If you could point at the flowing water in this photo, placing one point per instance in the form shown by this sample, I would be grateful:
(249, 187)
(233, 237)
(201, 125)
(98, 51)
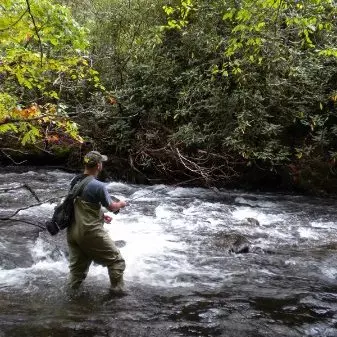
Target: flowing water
(181, 277)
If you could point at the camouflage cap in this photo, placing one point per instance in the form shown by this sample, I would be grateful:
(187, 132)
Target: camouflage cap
(92, 158)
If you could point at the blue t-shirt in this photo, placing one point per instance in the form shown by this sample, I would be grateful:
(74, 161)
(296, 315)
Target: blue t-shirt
(95, 191)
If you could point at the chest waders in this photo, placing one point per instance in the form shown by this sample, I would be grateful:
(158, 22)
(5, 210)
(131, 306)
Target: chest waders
(88, 241)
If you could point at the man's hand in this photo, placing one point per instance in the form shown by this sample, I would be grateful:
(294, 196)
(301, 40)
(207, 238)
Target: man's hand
(107, 218)
(122, 204)
(117, 205)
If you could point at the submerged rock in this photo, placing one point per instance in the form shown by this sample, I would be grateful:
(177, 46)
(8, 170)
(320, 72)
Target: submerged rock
(233, 242)
(251, 222)
(120, 243)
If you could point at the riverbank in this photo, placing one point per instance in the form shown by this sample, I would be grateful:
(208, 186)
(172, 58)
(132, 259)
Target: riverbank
(252, 180)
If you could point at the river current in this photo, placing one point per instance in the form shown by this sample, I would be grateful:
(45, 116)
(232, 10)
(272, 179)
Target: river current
(182, 279)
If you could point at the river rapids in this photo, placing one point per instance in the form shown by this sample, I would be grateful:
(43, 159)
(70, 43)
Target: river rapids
(181, 276)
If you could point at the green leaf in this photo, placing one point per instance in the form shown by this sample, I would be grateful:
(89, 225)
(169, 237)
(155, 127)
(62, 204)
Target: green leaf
(8, 127)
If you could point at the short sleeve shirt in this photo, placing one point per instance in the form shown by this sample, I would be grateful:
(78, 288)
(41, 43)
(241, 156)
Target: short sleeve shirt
(95, 191)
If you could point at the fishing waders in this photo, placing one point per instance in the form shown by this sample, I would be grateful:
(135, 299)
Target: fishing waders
(88, 241)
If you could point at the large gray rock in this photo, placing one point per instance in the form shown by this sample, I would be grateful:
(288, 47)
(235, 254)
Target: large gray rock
(251, 222)
(232, 242)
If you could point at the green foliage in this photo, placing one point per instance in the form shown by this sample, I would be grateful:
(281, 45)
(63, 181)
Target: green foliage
(43, 67)
(254, 81)
(283, 56)
(178, 15)
(202, 89)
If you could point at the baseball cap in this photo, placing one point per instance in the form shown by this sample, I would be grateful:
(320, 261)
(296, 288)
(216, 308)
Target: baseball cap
(92, 158)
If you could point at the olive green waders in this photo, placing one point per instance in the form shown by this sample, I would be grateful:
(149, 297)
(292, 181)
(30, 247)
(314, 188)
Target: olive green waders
(88, 241)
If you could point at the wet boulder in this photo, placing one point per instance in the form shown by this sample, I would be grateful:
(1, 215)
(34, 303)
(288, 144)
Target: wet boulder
(251, 222)
(233, 242)
(120, 243)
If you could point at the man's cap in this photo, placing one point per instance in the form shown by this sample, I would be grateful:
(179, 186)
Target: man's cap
(92, 158)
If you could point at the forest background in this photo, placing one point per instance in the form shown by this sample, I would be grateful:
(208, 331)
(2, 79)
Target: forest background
(226, 93)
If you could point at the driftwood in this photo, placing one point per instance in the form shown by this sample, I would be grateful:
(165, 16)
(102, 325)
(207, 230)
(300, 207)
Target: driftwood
(30, 206)
(38, 224)
(11, 216)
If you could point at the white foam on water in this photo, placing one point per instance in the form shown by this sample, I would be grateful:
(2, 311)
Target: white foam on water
(144, 195)
(266, 272)
(193, 209)
(51, 265)
(327, 225)
(290, 262)
(13, 277)
(40, 252)
(60, 174)
(159, 247)
(254, 203)
(18, 277)
(117, 185)
(189, 192)
(242, 213)
(307, 233)
(151, 254)
(211, 224)
(330, 272)
(164, 212)
(267, 229)
(40, 210)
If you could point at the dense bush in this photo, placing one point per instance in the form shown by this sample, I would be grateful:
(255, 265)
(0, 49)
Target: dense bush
(214, 91)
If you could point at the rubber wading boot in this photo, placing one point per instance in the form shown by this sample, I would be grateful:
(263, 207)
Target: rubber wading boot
(117, 288)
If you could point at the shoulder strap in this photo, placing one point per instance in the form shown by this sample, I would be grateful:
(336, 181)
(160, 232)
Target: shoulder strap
(79, 186)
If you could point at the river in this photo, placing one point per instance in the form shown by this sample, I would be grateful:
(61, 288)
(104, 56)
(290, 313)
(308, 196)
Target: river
(182, 280)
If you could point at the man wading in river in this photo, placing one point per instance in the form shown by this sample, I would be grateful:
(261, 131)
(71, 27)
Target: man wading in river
(87, 239)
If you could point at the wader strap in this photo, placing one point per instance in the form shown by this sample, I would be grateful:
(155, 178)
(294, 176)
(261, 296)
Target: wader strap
(79, 186)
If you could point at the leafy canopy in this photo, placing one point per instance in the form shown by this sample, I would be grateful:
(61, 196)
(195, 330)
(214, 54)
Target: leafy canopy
(42, 69)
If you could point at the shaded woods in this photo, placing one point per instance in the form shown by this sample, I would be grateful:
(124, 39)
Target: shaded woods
(225, 93)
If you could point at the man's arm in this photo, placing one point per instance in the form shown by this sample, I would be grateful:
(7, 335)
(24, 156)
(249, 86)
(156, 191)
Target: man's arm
(115, 206)
(111, 203)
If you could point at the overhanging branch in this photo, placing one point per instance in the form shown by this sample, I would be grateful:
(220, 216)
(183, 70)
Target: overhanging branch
(16, 22)
(36, 31)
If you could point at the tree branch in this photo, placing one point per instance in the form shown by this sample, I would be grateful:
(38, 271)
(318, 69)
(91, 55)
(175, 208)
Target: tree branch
(11, 159)
(14, 150)
(27, 120)
(36, 31)
(26, 186)
(16, 22)
(25, 221)
(30, 206)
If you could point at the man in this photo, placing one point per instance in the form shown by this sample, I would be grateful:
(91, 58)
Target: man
(87, 239)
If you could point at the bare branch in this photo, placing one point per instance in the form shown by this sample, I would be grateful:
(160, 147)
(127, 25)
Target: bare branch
(26, 186)
(14, 150)
(30, 206)
(19, 120)
(32, 192)
(11, 159)
(25, 221)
